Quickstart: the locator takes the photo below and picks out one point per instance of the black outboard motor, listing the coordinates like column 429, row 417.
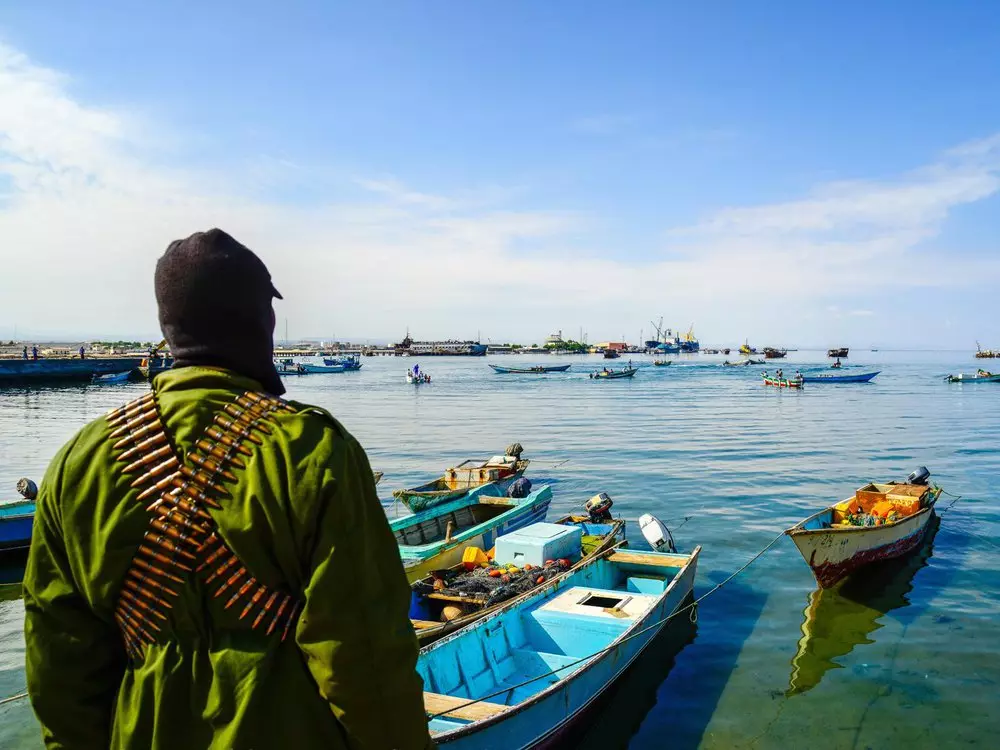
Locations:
column 599, row 507
column 920, row 476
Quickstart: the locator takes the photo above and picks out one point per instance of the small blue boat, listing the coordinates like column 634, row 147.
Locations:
column 536, row 370
column 436, row 538
column 348, row 363
column 113, row 377
column 16, row 519
column 319, row 369
column 522, row 676
column 861, row 378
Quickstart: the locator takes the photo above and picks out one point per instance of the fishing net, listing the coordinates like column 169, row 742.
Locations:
column 503, row 584
column 519, row 488
column 515, row 450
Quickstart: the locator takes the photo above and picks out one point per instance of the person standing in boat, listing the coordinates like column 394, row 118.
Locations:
column 210, row 565
column 34, row 352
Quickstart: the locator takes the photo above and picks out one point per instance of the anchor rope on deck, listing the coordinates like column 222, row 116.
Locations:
column 658, row 624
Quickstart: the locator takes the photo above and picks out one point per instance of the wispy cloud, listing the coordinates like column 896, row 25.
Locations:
column 84, row 215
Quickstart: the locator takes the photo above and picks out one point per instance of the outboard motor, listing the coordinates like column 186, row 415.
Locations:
column 27, row 489
column 599, row 507
column 920, row 476
column 519, row 488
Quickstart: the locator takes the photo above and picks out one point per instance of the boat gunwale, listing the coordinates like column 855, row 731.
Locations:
column 520, row 466
column 618, row 527
column 587, row 663
column 425, row 551
column 797, row 529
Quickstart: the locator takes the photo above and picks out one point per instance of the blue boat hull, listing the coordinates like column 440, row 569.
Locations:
column 320, row 369
column 862, row 378
column 539, row 715
column 530, row 370
column 16, row 521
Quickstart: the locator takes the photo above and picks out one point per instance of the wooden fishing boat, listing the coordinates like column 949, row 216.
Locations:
column 112, row 377
column 839, row 353
column 746, row 349
column 314, row 369
column 523, row 676
column 536, row 370
column 611, row 354
column 435, row 538
column 895, row 517
column 288, row 367
column 627, row 372
column 863, row 377
column 979, row 377
column 350, row 363
column 16, row 520
column 783, row 382
column 417, row 379
column 741, row 363
column 771, row 353
column 457, row 596
column 456, row 481
column 662, row 362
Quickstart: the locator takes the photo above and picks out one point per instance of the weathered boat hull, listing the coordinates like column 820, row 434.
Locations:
column 964, row 378
column 862, row 378
column 544, row 718
column 16, row 521
column 114, row 377
column 783, row 383
column 835, row 553
column 319, row 369
column 442, row 489
column 28, row 371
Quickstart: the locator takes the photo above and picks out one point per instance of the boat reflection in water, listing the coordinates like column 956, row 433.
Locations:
column 839, row 618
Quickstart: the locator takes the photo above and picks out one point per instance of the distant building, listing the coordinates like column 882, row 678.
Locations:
column 554, row 339
column 615, row 346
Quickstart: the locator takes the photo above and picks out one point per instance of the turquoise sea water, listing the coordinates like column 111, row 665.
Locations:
column 903, row 658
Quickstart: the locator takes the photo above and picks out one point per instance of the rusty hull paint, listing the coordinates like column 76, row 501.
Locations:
column 835, row 553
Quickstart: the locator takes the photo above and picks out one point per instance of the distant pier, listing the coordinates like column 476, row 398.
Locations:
column 31, row 371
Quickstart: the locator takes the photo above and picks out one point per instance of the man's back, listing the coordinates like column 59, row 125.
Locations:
column 273, row 613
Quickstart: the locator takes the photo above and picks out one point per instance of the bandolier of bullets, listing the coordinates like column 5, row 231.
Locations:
column 183, row 537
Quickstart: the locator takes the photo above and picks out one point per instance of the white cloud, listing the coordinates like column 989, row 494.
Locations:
column 84, row 216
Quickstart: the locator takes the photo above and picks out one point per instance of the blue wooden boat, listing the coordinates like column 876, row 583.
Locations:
column 314, row 369
column 348, row 363
column 980, row 376
column 860, row 378
column 112, row 377
column 536, row 370
column 522, row 677
column 16, row 519
column 436, row 538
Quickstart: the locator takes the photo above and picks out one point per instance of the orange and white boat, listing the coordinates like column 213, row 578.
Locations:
column 880, row 522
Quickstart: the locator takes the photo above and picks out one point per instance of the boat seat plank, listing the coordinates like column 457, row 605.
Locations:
column 435, row 703
column 424, row 624
column 643, row 558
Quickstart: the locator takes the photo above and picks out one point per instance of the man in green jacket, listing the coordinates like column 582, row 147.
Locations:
column 210, row 565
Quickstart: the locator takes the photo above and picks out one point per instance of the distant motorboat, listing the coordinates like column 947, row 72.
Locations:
column 772, row 353
column 627, row 372
column 863, row 377
column 536, row 370
column 417, row 378
column 978, row 377
column 838, row 353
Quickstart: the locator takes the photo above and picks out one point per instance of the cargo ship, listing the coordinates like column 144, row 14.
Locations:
column 410, row 348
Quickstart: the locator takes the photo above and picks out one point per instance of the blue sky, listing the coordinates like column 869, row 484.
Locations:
column 787, row 172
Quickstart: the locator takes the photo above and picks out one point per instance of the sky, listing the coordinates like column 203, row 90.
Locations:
column 799, row 174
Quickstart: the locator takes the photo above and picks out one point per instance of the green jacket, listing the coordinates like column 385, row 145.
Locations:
column 304, row 516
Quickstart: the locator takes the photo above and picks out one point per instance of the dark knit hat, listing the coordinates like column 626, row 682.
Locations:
column 214, row 297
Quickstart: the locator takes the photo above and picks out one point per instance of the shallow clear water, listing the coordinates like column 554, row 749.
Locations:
column 904, row 659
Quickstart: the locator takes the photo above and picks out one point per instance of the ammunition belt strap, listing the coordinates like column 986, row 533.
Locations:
column 183, row 538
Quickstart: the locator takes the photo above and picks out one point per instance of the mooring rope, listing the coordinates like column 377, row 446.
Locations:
column 660, row 623
column 13, row 698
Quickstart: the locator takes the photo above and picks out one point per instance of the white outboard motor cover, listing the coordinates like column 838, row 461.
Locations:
column 655, row 532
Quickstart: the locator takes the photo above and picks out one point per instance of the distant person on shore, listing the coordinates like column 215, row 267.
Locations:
column 24, row 352
column 82, row 353
column 34, row 352
column 211, row 566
